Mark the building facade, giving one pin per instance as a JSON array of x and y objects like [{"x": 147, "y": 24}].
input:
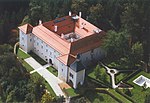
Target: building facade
[{"x": 69, "y": 43}]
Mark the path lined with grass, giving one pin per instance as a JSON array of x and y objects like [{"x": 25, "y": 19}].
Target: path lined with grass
[
  {"x": 119, "y": 96},
  {"x": 22, "y": 56},
  {"x": 48, "y": 76}
]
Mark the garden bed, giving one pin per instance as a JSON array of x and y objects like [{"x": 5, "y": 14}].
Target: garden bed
[{"x": 52, "y": 70}]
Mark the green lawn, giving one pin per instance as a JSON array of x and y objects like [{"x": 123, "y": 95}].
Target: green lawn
[
  {"x": 49, "y": 89},
  {"x": 120, "y": 77},
  {"x": 119, "y": 96},
  {"x": 104, "y": 80},
  {"x": 52, "y": 70},
  {"x": 22, "y": 55},
  {"x": 70, "y": 92},
  {"x": 137, "y": 90},
  {"x": 95, "y": 97},
  {"x": 27, "y": 66}
]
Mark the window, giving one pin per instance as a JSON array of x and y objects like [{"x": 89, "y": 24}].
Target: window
[
  {"x": 71, "y": 75},
  {"x": 62, "y": 70},
  {"x": 50, "y": 53},
  {"x": 41, "y": 46},
  {"x": 46, "y": 50},
  {"x": 30, "y": 40},
  {"x": 22, "y": 38},
  {"x": 46, "y": 45},
  {"x": 37, "y": 43}
]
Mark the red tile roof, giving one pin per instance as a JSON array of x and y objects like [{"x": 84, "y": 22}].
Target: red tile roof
[
  {"x": 67, "y": 59},
  {"x": 27, "y": 28},
  {"x": 88, "y": 40}
]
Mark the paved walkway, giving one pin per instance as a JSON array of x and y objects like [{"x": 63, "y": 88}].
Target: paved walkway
[
  {"x": 49, "y": 77},
  {"x": 111, "y": 74}
]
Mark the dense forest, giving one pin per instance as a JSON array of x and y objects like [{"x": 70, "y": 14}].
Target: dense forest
[{"x": 126, "y": 22}]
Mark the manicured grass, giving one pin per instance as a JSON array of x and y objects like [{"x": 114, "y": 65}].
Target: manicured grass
[
  {"x": 119, "y": 96},
  {"x": 49, "y": 89},
  {"x": 104, "y": 80},
  {"x": 52, "y": 70},
  {"x": 95, "y": 97},
  {"x": 138, "y": 94},
  {"x": 27, "y": 66},
  {"x": 70, "y": 92},
  {"x": 22, "y": 55},
  {"x": 37, "y": 58},
  {"x": 121, "y": 76}
]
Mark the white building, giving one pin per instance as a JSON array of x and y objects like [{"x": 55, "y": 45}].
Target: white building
[{"x": 69, "y": 43}]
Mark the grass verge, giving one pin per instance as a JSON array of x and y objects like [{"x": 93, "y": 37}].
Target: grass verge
[
  {"x": 70, "y": 92},
  {"x": 52, "y": 70},
  {"x": 137, "y": 90},
  {"x": 22, "y": 55}
]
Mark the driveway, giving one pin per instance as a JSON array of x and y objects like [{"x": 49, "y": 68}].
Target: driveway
[{"x": 48, "y": 76}]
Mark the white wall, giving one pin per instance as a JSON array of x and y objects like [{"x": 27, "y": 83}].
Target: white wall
[
  {"x": 78, "y": 77},
  {"x": 63, "y": 71},
  {"x": 45, "y": 51},
  {"x": 30, "y": 42},
  {"x": 86, "y": 57},
  {"x": 23, "y": 40}
]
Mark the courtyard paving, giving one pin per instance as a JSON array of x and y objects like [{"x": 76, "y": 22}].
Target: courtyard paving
[{"x": 48, "y": 76}]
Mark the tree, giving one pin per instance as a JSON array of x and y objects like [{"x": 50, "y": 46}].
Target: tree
[
  {"x": 47, "y": 98},
  {"x": 96, "y": 14},
  {"x": 136, "y": 54},
  {"x": 136, "y": 21},
  {"x": 116, "y": 44}
]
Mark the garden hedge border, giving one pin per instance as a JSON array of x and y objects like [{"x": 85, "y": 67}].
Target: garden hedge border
[{"x": 125, "y": 95}]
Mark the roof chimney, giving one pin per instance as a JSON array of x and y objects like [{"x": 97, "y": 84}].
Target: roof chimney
[
  {"x": 40, "y": 22},
  {"x": 69, "y": 13},
  {"x": 80, "y": 14},
  {"x": 71, "y": 39},
  {"x": 55, "y": 29},
  {"x": 62, "y": 35}
]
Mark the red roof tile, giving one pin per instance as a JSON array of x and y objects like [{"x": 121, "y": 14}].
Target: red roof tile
[
  {"x": 27, "y": 28},
  {"x": 88, "y": 40},
  {"x": 67, "y": 59}
]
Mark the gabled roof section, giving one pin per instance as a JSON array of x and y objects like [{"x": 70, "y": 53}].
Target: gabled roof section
[
  {"x": 51, "y": 39},
  {"x": 27, "y": 28},
  {"x": 67, "y": 59},
  {"x": 87, "y": 43},
  {"x": 77, "y": 66},
  {"x": 65, "y": 25}
]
